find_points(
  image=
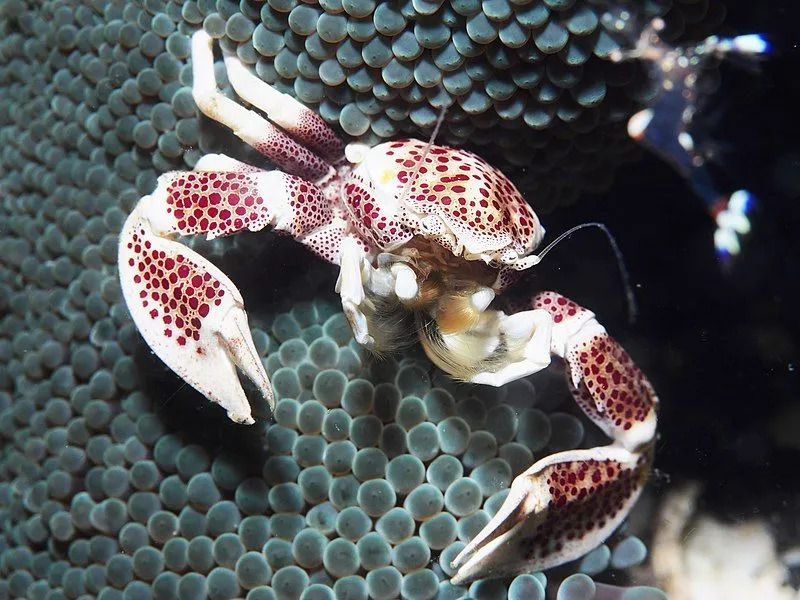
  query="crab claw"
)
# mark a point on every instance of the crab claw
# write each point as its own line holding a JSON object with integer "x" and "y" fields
{"x": 566, "y": 504}
{"x": 560, "y": 508}
{"x": 190, "y": 314}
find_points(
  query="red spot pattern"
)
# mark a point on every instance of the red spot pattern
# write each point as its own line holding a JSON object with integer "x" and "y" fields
{"x": 326, "y": 242}
{"x": 586, "y": 496}
{"x": 317, "y": 218}
{"x": 557, "y": 305}
{"x": 473, "y": 198}
{"x": 612, "y": 387}
{"x": 315, "y": 133}
{"x": 585, "y": 400}
{"x": 173, "y": 290}
{"x": 291, "y": 156}
{"x": 618, "y": 387}
{"x": 476, "y": 201}
{"x": 372, "y": 219}
{"x": 226, "y": 202}
{"x": 507, "y": 277}
{"x": 217, "y": 202}
{"x": 309, "y": 207}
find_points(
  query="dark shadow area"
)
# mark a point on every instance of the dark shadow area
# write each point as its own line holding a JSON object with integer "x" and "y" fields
{"x": 719, "y": 342}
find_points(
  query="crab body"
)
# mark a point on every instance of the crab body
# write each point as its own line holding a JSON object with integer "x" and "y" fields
{"x": 424, "y": 238}
{"x": 406, "y": 189}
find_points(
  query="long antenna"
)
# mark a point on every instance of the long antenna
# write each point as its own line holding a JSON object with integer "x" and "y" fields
{"x": 623, "y": 270}
{"x": 413, "y": 176}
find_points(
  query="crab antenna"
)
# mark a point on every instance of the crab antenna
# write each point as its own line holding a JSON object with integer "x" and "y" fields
{"x": 623, "y": 270}
{"x": 434, "y": 133}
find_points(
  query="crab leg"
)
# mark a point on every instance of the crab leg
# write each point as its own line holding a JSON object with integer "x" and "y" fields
{"x": 251, "y": 127}
{"x": 354, "y": 270}
{"x": 568, "y": 503}
{"x": 302, "y": 123}
{"x": 187, "y": 310}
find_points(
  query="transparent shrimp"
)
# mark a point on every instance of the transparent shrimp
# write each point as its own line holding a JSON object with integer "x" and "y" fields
{"x": 664, "y": 127}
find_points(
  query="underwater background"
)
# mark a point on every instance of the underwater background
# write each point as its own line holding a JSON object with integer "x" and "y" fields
{"x": 117, "y": 480}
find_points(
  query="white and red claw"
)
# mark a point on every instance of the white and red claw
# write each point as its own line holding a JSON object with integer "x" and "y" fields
{"x": 188, "y": 311}
{"x": 190, "y": 314}
{"x": 569, "y": 502}
{"x": 605, "y": 382}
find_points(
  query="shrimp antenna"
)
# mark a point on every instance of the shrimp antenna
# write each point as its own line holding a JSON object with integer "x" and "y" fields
{"x": 623, "y": 270}
{"x": 413, "y": 176}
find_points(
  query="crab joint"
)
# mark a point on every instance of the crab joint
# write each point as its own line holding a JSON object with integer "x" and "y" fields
{"x": 481, "y": 299}
{"x": 355, "y": 153}
{"x": 405, "y": 282}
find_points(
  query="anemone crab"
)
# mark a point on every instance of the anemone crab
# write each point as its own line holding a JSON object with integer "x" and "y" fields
{"x": 423, "y": 235}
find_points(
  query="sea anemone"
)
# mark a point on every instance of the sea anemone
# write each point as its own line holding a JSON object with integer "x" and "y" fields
{"x": 359, "y": 478}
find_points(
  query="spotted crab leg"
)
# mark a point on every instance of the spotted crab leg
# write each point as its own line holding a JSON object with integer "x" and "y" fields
{"x": 254, "y": 129}
{"x": 303, "y": 145}
{"x": 567, "y": 503}
{"x": 187, "y": 310}
{"x": 299, "y": 121}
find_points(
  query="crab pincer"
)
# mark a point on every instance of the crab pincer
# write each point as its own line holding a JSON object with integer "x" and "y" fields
{"x": 188, "y": 311}
{"x": 569, "y": 502}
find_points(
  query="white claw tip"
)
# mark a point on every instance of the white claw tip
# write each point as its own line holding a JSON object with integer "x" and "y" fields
{"x": 639, "y": 122}
{"x": 241, "y": 418}
{"x": 753, "y": 43}
{"x": 481, "y": 299}
{"x": 740, "y": 202}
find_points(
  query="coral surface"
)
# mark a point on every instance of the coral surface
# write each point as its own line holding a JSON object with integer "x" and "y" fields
{"x": 374, "y": 70}
{"x": 697, "y": 557}
{"x": 371, "y": 474}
